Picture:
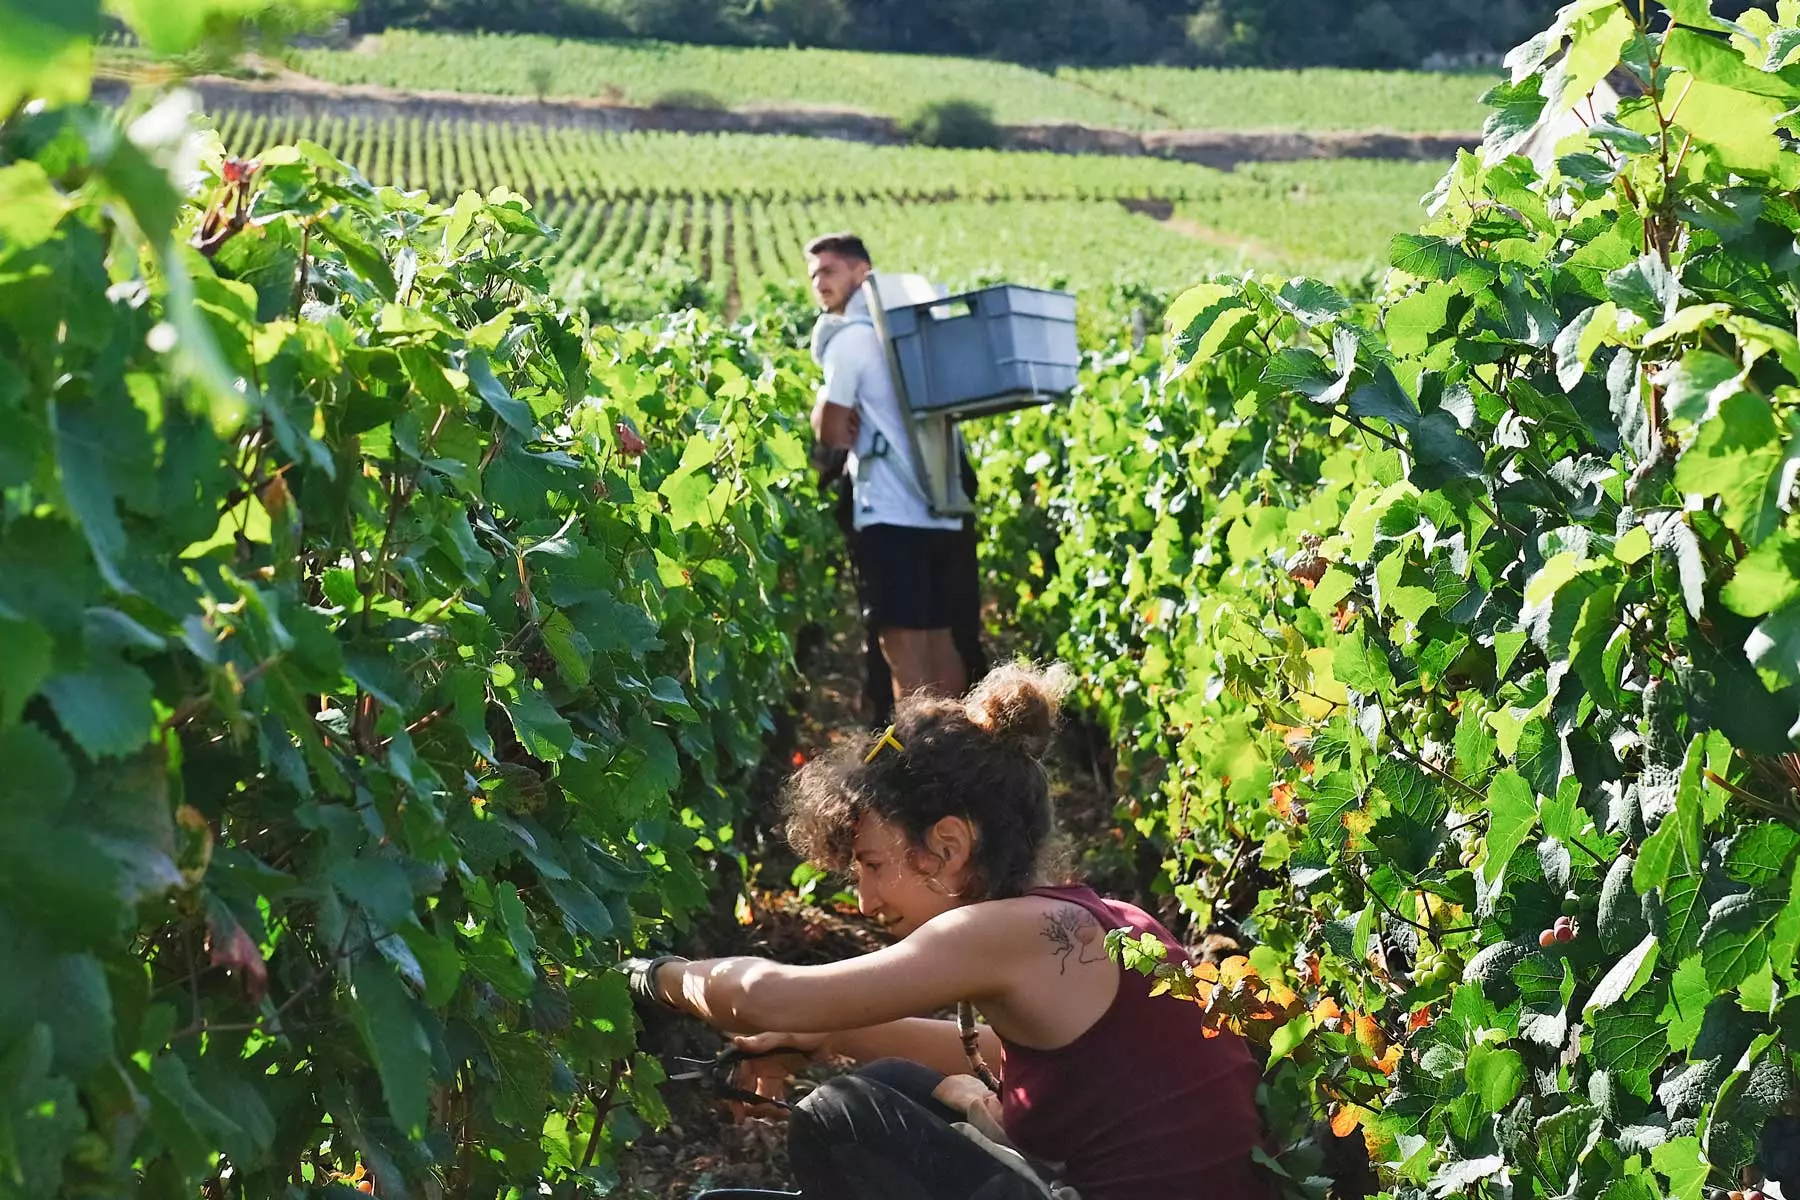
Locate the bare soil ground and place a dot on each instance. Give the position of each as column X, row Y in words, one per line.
column 705, row 1145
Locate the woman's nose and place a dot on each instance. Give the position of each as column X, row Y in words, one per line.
column 867, row 902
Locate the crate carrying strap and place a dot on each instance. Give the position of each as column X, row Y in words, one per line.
column 965, row 1025
column 989, row 1136
column 959, row 503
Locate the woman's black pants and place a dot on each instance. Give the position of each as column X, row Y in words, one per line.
column 877, row 1134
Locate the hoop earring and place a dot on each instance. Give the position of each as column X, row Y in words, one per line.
column 931, row 881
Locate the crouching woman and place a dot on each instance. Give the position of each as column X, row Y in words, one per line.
column 943, row 823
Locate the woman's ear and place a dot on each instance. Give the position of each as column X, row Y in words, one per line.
column 952, row 842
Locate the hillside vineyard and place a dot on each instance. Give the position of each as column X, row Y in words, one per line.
column 889, row 84
column 736, row 209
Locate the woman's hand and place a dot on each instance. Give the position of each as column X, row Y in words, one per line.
column 971, row 1097
column 768, row 1074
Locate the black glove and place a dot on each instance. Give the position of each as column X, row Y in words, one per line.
column 640, row 977
column 829, row 462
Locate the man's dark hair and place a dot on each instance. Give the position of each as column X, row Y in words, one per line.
column 844, row 245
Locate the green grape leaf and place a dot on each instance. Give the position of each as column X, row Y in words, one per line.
column 1384, row 398
column 1207, row 320
column 1730, row 107
column 1431, row 257
column 656, row 771
column 1512, row 813
column 1629, row 1036
column 581, row 906
column 515, row 413
column 1735, row 941
column 1740, row 456
column 27, row 663
column 1562, row 1141
column 1695, row 387
column 1444, row 452
column 107, row 708
column 1596, row 39
column 1494, row 1074
column 1361, row 667
column 1685, row 1011
column 1311, row 302
column 440, row 965
column 45, row 50
column 1625, row 977
column 1767, row 579
column 1672, row 860
column 541, row 729
column 1746, row 1100
column 1680, row 1161
column 689, row 494
column 1475, row 740
column 1773, row 648
column 1411, row 321
column 30, row 206
column 1760, row 854
column 1296, row 369
column 1576, row 345
column 1545, row 984
column 378, row 885
column 1517, row 107
column 522, row 1070
column 396, row 1041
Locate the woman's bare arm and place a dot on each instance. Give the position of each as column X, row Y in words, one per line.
column 933, row 1043
column 966, row 954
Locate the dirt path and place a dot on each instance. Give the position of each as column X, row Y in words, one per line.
column 703, row 1146
column 1163, row 213
column 1250, row 247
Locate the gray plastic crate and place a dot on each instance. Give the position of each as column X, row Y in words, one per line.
column 987, row 351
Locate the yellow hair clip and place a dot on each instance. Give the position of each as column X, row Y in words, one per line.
column 886, row 739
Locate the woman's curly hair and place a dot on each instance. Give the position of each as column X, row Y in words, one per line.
column 976, row 758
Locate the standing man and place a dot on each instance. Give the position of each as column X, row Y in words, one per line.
column 907, row 557
column 965, row 618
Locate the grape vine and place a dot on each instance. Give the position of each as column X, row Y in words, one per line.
column 1447, row 641
column 384, row 649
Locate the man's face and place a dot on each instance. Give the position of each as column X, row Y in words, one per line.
column 835, row 279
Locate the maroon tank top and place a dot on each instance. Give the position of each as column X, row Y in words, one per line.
column 1142, row 1106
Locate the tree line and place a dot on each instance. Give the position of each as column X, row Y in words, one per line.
column 1272, row 33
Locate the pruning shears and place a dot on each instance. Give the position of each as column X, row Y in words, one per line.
column 717, row 1073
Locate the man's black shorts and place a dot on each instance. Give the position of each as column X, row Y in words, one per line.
column 909, row 576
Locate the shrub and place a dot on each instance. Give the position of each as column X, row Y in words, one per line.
column 694, row 98
column 809, row 22
column 954, row 124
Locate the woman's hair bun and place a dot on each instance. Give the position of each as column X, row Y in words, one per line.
column 1019, row 704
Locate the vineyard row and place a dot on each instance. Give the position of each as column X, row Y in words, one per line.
column 445, row 157
column 737, row 246
column 737, row 210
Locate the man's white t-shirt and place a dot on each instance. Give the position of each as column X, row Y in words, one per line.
column 886, row 483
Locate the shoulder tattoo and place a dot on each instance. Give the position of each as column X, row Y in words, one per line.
column 1073, row 932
